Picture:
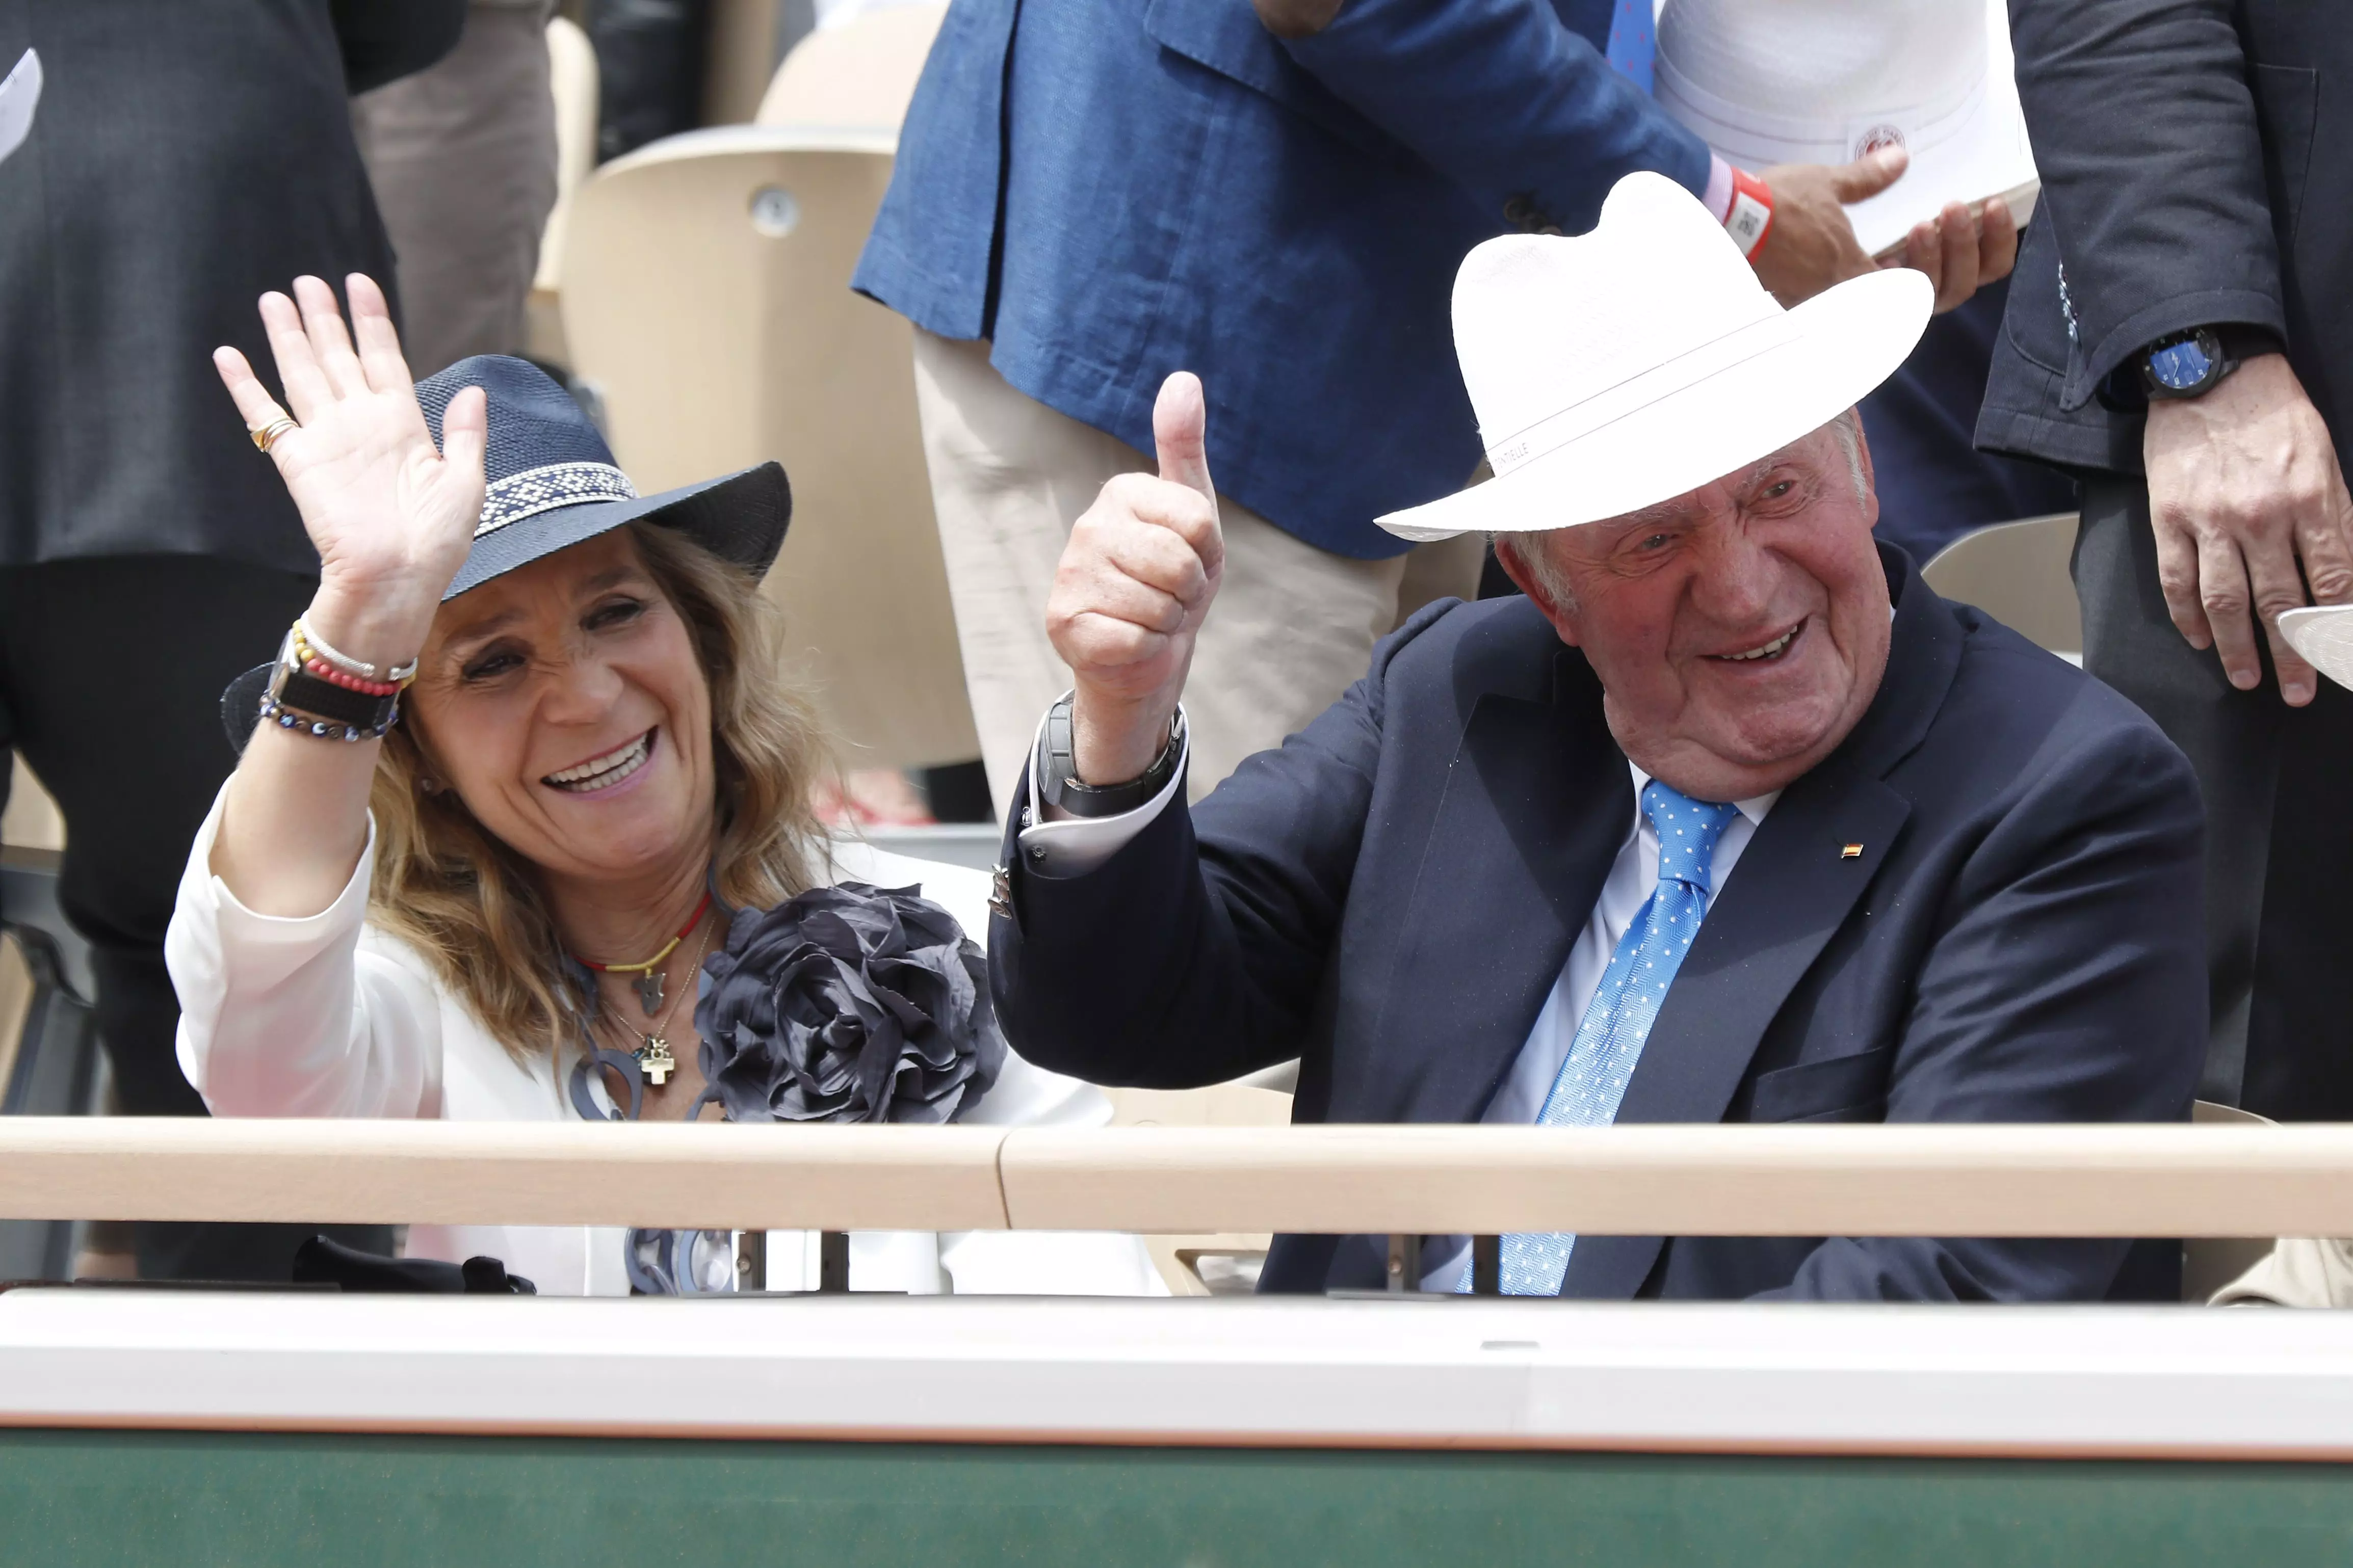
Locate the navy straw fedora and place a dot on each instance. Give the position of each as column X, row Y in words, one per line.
column 550, row 482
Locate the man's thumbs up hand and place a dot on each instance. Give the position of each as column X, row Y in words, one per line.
column 1180, row 429
column 1134, row 586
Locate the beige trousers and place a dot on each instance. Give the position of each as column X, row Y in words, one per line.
column 462, row 157
column 1292, row 628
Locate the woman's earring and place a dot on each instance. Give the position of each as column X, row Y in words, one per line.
column 429, row 786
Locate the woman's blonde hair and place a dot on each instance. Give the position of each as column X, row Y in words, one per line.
column 474, row 908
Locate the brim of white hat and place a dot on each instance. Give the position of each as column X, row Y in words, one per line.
column 1845, row 341
column 2324, row 635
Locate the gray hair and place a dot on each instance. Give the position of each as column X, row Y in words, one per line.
column 1532, row 552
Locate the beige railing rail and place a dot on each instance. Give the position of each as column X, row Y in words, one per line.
column 2160, row 1181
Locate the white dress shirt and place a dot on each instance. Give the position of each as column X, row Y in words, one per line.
column 1075, row 845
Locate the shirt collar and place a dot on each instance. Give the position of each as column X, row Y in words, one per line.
column 1754, row 809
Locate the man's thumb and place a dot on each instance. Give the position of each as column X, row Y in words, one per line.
column 1180, row 420
column 1869, row 174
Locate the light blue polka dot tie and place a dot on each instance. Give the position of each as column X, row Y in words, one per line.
column 1633, row 45
column 1592, row 1080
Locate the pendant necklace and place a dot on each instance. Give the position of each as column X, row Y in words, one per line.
column 648, row 973
column 654, row 1057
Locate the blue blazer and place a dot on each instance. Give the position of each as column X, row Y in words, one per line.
column 1111, row 190
column 1390, row 896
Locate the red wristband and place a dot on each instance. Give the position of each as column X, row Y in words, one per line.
column 1750, row 219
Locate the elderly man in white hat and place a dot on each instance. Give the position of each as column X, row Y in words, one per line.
column 1730, row 818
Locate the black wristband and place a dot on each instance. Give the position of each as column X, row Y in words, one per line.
column 1057, row 782
column 324, row 708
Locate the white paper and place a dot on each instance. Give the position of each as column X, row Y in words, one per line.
column 18, row 94
column 2324, row 635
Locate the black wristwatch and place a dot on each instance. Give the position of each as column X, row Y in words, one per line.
column 1057, row 782
column 2191, row 363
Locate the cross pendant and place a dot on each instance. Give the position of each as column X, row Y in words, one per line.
column 654, row 1060
column 650, row 991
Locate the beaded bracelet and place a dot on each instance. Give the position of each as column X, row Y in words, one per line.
column 303, row 723
column 310, row 644
column 325, row 671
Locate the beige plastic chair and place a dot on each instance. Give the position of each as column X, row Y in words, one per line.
column 2017, row 572
column 571, row 74
column 1203, row 1265
column 706, row 297
column 861, row 75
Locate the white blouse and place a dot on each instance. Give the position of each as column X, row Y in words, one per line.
column 327, row 1015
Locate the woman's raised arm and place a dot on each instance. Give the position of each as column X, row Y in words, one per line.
column 392, row 518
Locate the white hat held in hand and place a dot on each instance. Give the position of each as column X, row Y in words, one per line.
column 1614, row 370
column 1825, row 82
column 2324, row 635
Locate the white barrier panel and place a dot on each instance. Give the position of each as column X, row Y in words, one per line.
column 2011, row 1181
column 1433, row 1373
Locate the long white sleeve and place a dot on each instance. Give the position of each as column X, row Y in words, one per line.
column 314, row 1017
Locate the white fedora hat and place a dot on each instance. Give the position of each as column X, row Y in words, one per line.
column 1825, row 82
column 1627, row 366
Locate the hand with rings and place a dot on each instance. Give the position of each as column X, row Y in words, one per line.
column 392, row 514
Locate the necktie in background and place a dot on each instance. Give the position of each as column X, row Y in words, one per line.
column 1634, row 40
column 1609, row 1037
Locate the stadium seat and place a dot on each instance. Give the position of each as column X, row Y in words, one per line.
column 2018, row 573
column 859, row 75
column 706, row 300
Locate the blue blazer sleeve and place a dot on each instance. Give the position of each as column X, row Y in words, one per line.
column 1504, row 98
column 2065, row 987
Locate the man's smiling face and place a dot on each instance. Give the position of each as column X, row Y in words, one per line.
column 1740, row 630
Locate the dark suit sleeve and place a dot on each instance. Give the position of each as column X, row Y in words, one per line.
column 2146, row 136
column 385, row 40
column 1195, row 953
column 1504, row 99
column 2068, row 984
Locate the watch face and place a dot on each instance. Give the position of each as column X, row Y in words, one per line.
column 2181, row 365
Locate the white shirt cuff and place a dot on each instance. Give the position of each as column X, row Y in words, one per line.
column 1718, row 194
column 1074, row 845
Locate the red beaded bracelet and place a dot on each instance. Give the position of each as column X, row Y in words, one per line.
column 325, row 671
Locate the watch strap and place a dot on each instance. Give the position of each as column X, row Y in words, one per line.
column 299, row 691
column 1059, row 784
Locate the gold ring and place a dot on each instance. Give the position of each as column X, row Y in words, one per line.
column 268, row 433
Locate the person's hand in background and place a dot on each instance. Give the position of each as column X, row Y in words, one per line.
column 2249, row 508
column 1812, row 244
column 1961, row 251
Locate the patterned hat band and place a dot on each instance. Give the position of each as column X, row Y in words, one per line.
column 535, row 491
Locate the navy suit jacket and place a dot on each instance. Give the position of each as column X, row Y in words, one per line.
column 1391, row 895
column 1111, row 190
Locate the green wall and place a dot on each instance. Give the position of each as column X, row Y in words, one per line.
column 197, row 1500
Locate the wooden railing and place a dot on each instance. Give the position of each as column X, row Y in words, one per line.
column 2010, row 1180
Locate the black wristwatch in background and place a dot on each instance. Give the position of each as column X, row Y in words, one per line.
column 2193, row 363
column 1057, row 782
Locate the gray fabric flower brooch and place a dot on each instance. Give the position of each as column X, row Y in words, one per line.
column 847, row 1003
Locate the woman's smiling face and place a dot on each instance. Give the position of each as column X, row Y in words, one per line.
column 563, row 704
